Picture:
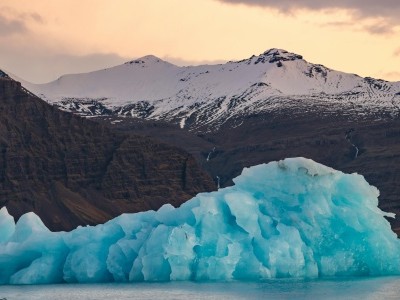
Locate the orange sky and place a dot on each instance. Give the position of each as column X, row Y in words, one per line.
column 43, row 39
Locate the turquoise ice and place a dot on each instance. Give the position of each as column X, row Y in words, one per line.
column 292, row 218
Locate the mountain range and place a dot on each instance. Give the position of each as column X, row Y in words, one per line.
column 203, row 98
column 242, row 113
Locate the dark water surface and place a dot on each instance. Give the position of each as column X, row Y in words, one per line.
column 355, row 288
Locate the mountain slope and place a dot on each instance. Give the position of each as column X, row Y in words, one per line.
column 72, row 171
column 202, row 98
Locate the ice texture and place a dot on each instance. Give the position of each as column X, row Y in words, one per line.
column 292, row 218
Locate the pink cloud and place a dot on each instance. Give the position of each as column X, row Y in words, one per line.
column 389, row 10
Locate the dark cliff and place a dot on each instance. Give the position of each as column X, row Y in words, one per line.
column 72, row 171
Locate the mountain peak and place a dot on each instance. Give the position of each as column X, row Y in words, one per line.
column 273, row 55
column 276, row 54
column 148, row 59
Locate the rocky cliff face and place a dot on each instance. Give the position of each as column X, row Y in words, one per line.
column 72, row 171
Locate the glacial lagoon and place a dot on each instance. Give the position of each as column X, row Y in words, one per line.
column 368, row 288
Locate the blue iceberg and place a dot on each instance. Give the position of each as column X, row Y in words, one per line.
column 292, row 218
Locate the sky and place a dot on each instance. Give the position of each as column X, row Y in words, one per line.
column 43, row 39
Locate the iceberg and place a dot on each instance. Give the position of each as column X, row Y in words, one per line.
column 292, row 218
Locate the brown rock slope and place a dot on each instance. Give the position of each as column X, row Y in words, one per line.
column 72, row 171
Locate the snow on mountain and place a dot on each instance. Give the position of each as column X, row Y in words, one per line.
column 206, row 96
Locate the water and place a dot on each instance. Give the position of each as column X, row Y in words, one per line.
column 356, row 288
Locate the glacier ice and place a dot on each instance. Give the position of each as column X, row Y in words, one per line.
column 292, row 218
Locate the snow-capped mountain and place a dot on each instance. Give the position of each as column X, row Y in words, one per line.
column 204, row 97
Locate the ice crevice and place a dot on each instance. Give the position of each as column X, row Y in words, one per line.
column 292, row 218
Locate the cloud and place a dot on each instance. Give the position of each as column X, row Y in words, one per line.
column 381, row 27
column 364, row 7
column 339, row 24
column 44, row 59
column 10, row 27
column 387, row 10
column 377, row 27
column 187, row 62
column 43, row 65
column 13, row 22
column 35, row 17
column 22, row 16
